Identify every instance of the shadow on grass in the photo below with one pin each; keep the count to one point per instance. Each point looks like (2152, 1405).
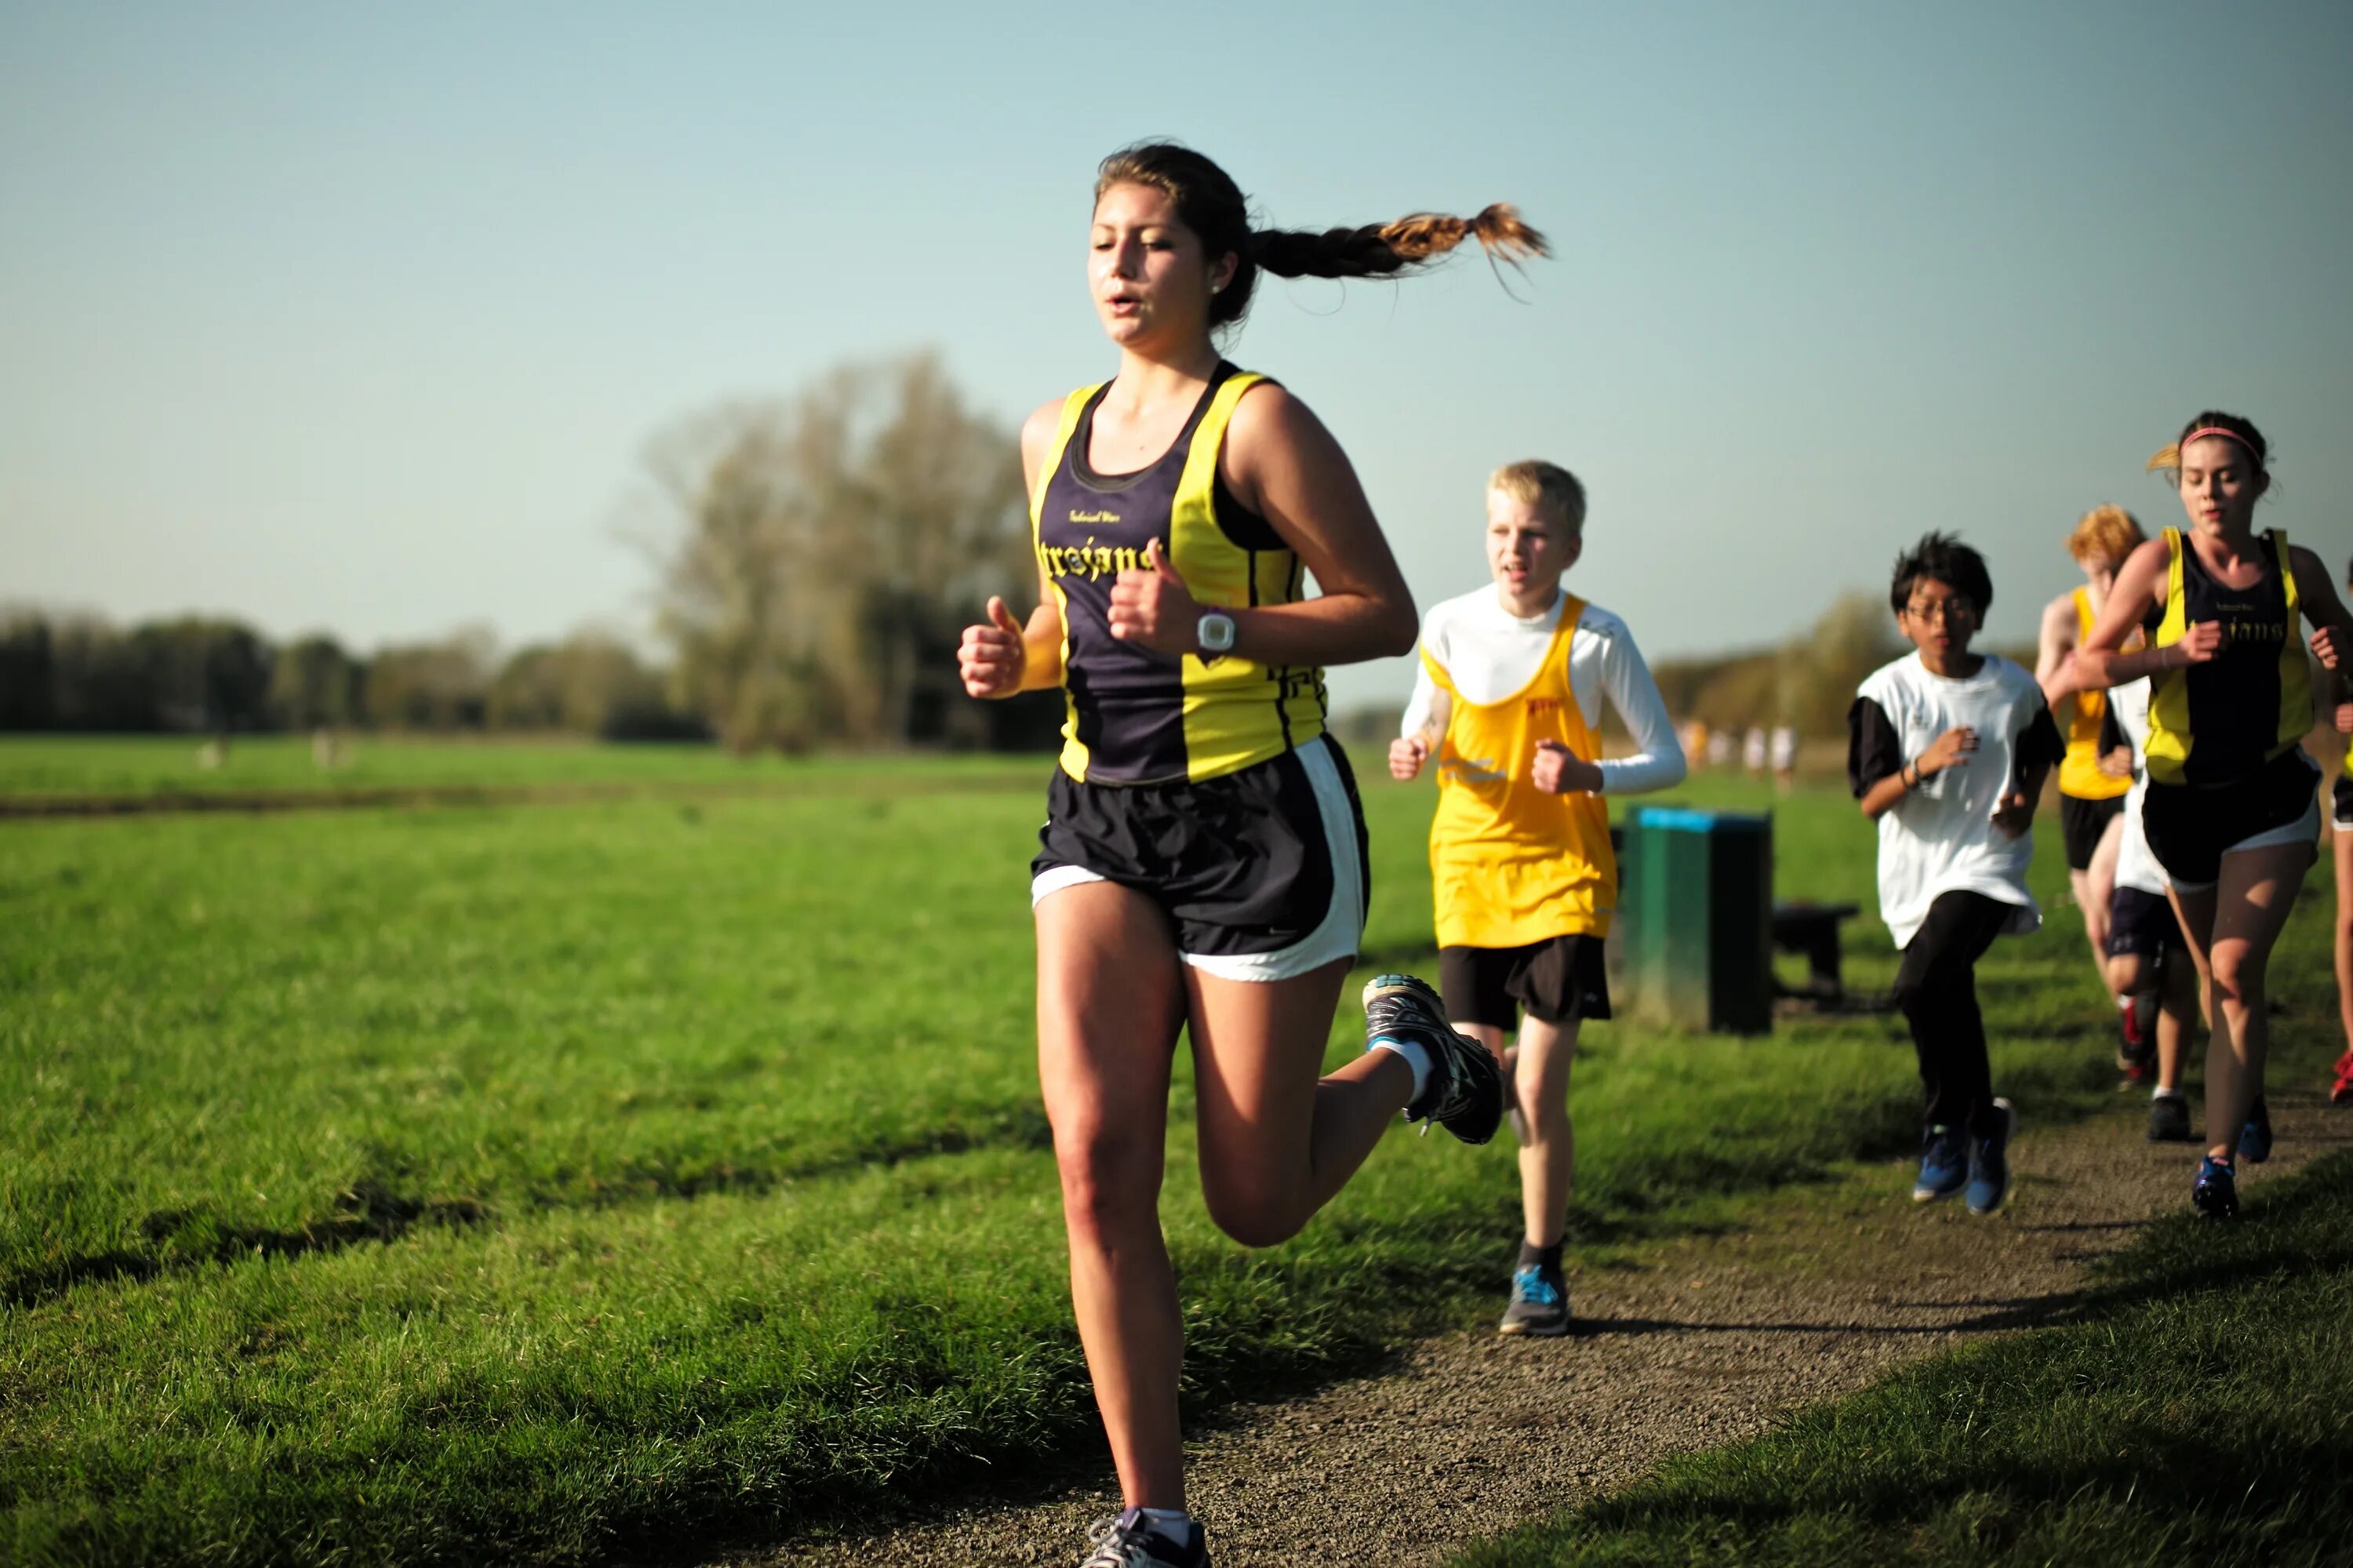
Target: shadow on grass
(372, 1209)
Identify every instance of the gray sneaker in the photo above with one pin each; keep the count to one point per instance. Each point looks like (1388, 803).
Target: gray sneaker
(1539, 1306)
(2169, 1118)
(1465, 1091)
(1125, 1541)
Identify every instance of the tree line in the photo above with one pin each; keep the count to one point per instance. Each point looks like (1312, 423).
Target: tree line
(205, 674)
(816, 560)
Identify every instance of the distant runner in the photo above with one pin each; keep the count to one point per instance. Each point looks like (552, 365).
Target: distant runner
(1948, 750)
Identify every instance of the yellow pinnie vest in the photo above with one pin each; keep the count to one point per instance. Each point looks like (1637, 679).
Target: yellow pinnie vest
(2079, 770)
(1509, 864)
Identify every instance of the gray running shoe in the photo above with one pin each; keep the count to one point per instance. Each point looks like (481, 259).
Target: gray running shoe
(1127, 1540)
(2169, 1118)
(1465, 1092)
(1539, 1306)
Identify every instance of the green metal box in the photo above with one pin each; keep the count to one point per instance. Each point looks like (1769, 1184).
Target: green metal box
(1695, 918)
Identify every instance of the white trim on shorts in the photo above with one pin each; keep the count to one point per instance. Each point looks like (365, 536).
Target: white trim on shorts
(1336, 937)
(2304, 829)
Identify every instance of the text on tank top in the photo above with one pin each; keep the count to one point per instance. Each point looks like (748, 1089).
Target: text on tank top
(2220, 721)
(1133, 715)
(1511, 864)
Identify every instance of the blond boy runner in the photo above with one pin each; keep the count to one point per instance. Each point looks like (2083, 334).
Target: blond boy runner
(1509, 700)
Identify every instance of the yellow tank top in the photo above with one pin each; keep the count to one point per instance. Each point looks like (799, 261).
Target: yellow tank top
(1509, 864)
(2221, 721)
(2079, 770)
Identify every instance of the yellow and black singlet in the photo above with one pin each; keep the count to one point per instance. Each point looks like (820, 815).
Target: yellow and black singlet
(2079, 770)
(2220, 722)
(1511, 864)
(1136, 715)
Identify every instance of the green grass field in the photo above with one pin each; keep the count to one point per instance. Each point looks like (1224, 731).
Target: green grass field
(519, 1183)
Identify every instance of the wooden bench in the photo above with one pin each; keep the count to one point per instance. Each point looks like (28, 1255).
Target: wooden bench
(1812, 929)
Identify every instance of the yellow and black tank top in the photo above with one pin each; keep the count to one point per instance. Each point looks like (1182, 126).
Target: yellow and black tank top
(1509, 864)
(2079, 770)
(1136, 715)
(2220, 722)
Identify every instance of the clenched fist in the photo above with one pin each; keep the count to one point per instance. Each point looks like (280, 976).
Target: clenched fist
(993, 656)
(1406, 754)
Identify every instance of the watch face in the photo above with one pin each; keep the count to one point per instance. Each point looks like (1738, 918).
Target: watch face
(1216, 632)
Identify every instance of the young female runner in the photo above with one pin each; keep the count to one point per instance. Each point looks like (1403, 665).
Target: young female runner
(1202, 863)
(2232, 805)
(2340, 823)
(2092, 796)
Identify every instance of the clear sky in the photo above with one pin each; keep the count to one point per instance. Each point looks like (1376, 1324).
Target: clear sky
(361, 318)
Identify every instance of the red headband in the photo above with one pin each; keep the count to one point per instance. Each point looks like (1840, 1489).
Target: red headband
(2226, 434)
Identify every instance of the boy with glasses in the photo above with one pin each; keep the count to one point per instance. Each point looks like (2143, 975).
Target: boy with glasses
(1947, 751)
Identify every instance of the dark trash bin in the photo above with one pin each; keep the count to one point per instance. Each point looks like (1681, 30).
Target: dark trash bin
(1695, 918)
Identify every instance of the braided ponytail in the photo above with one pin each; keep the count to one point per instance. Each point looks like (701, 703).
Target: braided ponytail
(1211, 205)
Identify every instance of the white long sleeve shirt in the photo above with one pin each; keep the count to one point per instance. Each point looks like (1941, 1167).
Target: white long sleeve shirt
(1489, 654)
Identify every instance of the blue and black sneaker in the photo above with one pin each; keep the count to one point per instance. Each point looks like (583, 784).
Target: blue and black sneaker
(1990, 1162)
(1944, 1163)
(1464, 1093)
(1539, 1306)
(1130, 1540)
(2256, 1137)
(2215, 1193)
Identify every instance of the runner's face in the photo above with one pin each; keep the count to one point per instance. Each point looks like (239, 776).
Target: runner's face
(1527, 548)
(1937, 619)
(2220, 484)
(1145, 268)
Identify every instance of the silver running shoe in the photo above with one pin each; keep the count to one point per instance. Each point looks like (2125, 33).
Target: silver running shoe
(1126, 1541)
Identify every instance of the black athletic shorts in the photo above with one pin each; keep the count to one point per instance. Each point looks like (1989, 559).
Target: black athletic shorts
(2190, 830)
(1261, 873)
(2340, 802)
(2081, 823)
(2143, 922)
(1558, 981)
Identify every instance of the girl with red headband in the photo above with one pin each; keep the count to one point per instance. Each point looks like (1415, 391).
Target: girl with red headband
(2232, 805)
(1201, 868)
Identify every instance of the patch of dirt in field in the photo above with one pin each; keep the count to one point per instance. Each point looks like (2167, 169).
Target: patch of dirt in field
(1703, 1342)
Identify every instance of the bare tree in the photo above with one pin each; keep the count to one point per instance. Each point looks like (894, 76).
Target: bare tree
(829, 547)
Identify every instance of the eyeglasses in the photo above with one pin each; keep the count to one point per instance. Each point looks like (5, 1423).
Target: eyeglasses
(1943, 611)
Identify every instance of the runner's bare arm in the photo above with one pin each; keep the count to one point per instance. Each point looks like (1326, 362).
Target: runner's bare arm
(2140, 586)
(1002, 655)
(2056, 642)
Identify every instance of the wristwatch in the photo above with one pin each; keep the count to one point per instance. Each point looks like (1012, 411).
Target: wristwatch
(1215, 632)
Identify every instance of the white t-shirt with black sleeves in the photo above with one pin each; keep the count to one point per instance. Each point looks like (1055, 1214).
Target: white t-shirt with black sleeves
(1940, 837)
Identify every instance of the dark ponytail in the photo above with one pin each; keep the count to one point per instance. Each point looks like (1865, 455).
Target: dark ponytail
(1211, 205)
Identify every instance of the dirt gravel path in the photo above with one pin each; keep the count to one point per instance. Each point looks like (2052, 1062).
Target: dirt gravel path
(1700, 1342)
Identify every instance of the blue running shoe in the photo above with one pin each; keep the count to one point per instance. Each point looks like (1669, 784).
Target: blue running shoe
(2215, 1193)
(1944, 1163)
(1990, 1163)
(2256, 1137)
(1465, 1091)
(1539, 1306)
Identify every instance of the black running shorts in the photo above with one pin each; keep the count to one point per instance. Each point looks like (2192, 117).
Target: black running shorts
(2141, 922)
(1559, 980)
(2081, 823)
(2340, 803)
(2190, 830)
(1261, 873)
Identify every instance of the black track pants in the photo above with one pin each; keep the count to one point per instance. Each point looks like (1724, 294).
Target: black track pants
(1936, 986)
